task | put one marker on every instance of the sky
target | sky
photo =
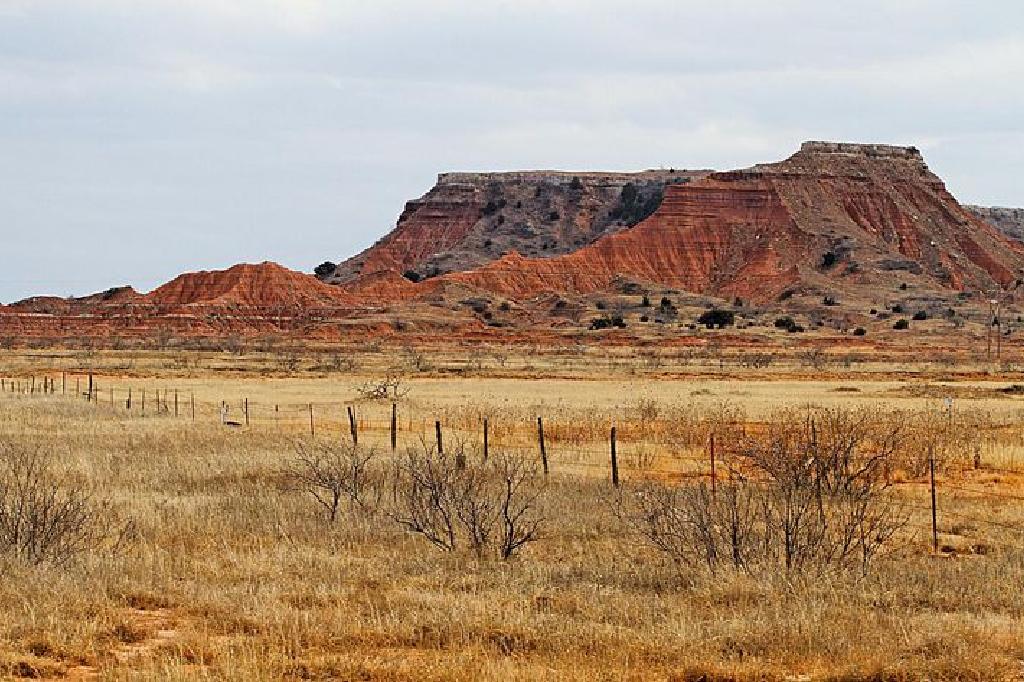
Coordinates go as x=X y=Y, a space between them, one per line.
x=144 y=138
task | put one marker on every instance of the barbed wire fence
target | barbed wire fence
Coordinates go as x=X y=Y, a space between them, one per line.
x=713 y=460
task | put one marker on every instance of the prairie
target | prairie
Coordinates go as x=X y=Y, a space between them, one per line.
x=229 y=569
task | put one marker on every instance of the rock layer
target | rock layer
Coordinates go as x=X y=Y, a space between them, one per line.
x=469 y=219
x=831 y=216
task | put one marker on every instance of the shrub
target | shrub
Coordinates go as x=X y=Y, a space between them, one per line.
x=452 y=501
x=49 y=518
x=860 y=331
x=607 y=322
x=784 y=322
x=332 y=473
x=390 y=388
x=633 y=207
x=815 y=500
x=828 y=259
x=896 y=308
x=920 y=315
x=717 y=318
x=645 y=302
x=901 y=324
x=829 y=301
x=325 y=269
x=412 y=275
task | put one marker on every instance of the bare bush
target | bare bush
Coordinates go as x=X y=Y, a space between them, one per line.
x=452 y=501
x=47 y=518
x=390 y=388
x=812 y=497
x=333 y=473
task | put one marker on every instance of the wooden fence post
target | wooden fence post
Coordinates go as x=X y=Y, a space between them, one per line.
x=193 y=401
x=486 y=439
x=90 y=386
x=312 y=428
x=615 y=461
x=143 y=402
x=245 y=409
x=353 y=429
x=714 y=477
x=440 y=444
x=175 y=402
x=935 y=517
x=394 y=427
x=63 y=383
x=128 y=401
x=543 y=450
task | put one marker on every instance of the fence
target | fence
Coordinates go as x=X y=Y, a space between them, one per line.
x=344 y=418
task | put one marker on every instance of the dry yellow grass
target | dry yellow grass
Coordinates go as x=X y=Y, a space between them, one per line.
x=233 y=575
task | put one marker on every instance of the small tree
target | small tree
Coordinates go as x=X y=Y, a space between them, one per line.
x=325 y=269
x=332 y=473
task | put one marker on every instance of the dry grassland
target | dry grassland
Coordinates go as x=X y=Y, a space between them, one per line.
x=231 y=572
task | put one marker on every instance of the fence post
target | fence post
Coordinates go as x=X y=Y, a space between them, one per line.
x=714 y=477
x=78 y=387
x=63 y=383
x=277 y=418
x=440 y=444
x=90 y=386
x=935 y=517
x=175 y=402
x=193 y=401
x=128 y=401
x=615 y=461
x=143 y=403
x=312 y=428
x=486 y=443
x=353 y=429
x=245 y=408
x=543 y=450
x=394 y=426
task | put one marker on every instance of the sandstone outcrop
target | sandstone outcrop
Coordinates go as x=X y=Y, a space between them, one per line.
x=831 y=216
x=1009 y=221
x=469 y=219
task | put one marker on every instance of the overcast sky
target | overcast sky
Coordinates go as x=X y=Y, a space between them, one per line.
x=143 y=138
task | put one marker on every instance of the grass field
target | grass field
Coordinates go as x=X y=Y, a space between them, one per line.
x=229 y=571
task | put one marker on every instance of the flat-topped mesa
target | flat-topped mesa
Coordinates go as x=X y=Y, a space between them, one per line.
x=824 y=160
x=890 y=151
x=566 y=178
x=469 y=219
